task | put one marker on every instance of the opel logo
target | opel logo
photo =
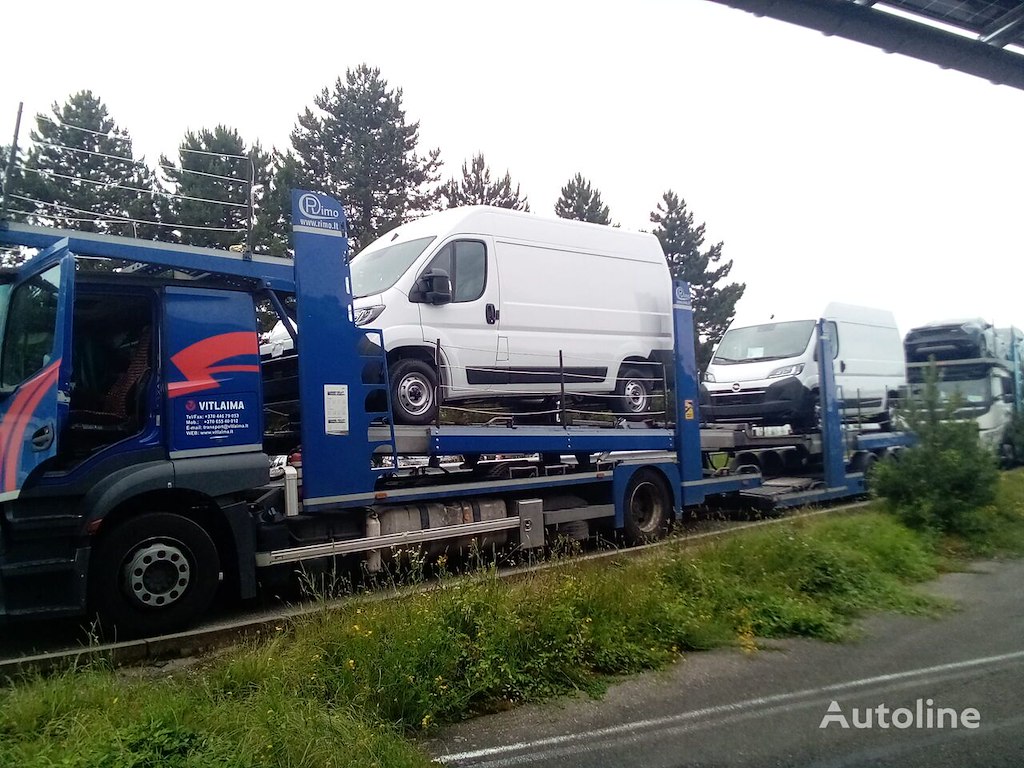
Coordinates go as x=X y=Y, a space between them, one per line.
x=736 y=387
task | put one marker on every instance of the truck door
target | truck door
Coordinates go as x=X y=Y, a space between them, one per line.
x=35 y=364
x=468 y=325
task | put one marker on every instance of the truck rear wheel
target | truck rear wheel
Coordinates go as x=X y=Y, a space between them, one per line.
x=413 y=389
x=647 y=507
x=153 y=574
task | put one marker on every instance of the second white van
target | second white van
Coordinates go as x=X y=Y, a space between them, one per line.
x=520 y=304
x=765 y=370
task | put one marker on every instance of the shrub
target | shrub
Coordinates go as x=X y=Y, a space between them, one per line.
x=1016 y=438
x=947 y=477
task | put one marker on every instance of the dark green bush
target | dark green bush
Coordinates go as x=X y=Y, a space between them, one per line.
x=942 y=482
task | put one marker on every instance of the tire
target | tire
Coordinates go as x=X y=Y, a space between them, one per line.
x=413 y=391
x=153 y=574
x=863 y=461
x=633 y=395
x=647 y=507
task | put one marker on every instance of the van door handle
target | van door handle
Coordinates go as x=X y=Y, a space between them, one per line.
x=43 y=438
x=842 y=366
x=491 y=313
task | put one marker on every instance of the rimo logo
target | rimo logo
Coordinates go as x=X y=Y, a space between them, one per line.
x=311 y=206
x=924 y=714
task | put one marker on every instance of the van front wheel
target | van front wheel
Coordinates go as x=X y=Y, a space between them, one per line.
x=633 y=395
x=413 y=392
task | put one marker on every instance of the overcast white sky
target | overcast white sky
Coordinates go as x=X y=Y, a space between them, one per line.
x=831 y=170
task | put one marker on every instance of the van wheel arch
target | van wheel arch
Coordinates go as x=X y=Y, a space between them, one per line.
x=424 y=354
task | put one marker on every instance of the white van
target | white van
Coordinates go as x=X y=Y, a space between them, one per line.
x=767 y=372
x=506 y=293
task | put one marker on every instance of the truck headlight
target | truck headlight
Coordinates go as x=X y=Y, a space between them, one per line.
x=368 y=314
x=787 y=370
x=709 y=377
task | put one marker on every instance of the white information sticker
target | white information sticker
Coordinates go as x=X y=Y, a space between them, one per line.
x=336 y=409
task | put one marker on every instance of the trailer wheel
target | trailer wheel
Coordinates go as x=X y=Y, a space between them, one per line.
x=153 y=574
x=863 y=461
x=413 y=385
x=633 y=394
x=647 y=507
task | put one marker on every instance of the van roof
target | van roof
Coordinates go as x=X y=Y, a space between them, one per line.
x=505 y=224
x=835 y=310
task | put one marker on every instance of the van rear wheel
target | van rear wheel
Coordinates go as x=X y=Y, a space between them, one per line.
x=633 y=395
x=413 y=392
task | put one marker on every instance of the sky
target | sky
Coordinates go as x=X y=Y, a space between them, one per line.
x=830 y=170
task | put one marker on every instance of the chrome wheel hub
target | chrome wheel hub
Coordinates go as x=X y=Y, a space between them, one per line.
x=158 y=574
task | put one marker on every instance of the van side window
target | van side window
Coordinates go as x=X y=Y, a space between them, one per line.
x=1003 y=389
x=833 y=331
x=466 y=262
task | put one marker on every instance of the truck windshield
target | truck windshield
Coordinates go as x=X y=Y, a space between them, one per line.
x=377 y=270
x=973 y=393
x=771 y=341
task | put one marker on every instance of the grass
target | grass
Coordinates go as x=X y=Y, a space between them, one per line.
x=347 y=687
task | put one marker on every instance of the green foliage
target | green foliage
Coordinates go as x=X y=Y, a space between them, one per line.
x=359 y=148
x=476 y=188
x=1015 y=437
x=273 y=202
x=340 y=687
x=86 y=179
x=213 y=180
x=942 y=482
x=714 y=305
x=580 y=201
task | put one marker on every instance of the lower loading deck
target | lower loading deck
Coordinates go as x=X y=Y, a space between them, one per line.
x=459 y=440
x=641 y=443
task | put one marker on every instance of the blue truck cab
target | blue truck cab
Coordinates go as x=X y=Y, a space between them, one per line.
x=122 y=389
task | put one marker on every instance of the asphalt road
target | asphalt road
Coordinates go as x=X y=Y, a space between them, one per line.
x=728 y=708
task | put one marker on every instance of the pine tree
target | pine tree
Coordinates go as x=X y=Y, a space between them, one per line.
x=80 y=173
x=713 y=305
x=476 y=188
x=580 y=201
x=273 y=214
x=212 y=183
x=273 y=205
x=359 y=148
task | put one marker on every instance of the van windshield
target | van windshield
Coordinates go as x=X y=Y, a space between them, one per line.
x=772 y=341
x=377 y=270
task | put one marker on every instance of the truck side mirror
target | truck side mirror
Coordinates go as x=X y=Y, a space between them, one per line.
x=433 y=287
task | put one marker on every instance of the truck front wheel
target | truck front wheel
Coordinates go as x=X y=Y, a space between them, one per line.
x=153 y=574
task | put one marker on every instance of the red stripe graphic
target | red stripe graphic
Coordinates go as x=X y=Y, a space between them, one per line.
x=198 y=362
x=17 y=419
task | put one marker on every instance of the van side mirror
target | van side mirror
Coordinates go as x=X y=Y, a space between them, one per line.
x=433 y=287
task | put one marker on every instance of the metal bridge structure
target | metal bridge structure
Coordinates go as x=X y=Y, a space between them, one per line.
x=984 y=38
